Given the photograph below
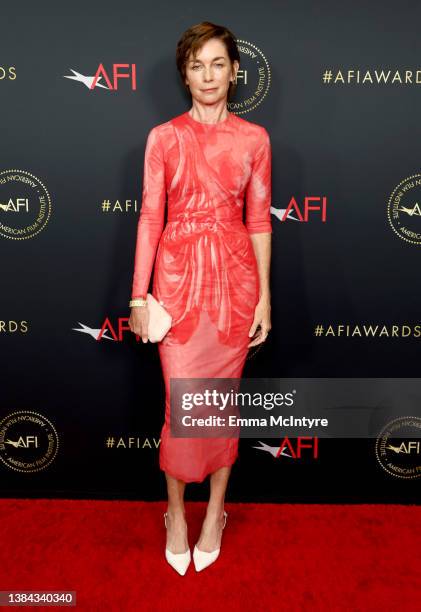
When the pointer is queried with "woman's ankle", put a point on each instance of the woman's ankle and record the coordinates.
(215, 512)
(176, 513)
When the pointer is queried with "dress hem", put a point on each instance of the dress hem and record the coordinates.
(197, 479)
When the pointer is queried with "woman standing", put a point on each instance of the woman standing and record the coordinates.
(211, 270)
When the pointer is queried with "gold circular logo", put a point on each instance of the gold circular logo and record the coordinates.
(404, 209)
(253, 76)
(28, 441)
(25, 205)
(400, 454)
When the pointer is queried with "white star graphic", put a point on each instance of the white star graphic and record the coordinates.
(92, 332)
(86, 80)
(279, 213)
(273, 450)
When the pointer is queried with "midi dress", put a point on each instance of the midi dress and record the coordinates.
(205, 268)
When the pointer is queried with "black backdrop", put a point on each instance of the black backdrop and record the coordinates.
(350, 142)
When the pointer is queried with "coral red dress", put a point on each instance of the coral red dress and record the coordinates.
(205, 270)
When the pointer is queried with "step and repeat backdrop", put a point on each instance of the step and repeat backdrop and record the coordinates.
(337, 86)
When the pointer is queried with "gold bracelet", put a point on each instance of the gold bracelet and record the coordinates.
(138, 302)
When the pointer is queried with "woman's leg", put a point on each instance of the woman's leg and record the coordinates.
(177, 541)
(211, 534)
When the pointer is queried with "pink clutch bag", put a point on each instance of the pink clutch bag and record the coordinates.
(159, 319)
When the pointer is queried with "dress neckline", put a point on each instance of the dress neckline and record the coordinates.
(207, 125)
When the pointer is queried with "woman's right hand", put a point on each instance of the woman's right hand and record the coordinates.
(138, 321)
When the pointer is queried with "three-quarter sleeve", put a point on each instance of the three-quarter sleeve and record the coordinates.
(259, 188)
(151, 217)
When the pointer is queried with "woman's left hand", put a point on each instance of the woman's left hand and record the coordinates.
(262, 320)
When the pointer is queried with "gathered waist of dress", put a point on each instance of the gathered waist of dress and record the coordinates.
(223, 215)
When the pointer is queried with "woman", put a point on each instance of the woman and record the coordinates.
(211, 270)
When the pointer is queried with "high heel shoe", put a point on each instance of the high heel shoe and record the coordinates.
(202, 558)
(179, 561)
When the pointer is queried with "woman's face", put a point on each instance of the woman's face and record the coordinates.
(209, 73)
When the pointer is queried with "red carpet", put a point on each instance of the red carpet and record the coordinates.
(284, 557)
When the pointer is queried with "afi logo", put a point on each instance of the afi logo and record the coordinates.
(16, 205)
(23, 442)
(107, 328)
(292, 450)
(302, 213)
(122, 326)
(111, 77)
(410, 447)
(300, 443)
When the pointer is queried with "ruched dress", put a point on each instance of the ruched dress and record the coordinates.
(205, 268)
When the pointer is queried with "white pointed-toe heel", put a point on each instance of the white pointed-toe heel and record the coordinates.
(179, 561)
(202, 558)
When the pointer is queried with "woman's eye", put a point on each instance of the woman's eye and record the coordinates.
(198, 66)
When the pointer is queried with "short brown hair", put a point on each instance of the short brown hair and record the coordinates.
(194, 38)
